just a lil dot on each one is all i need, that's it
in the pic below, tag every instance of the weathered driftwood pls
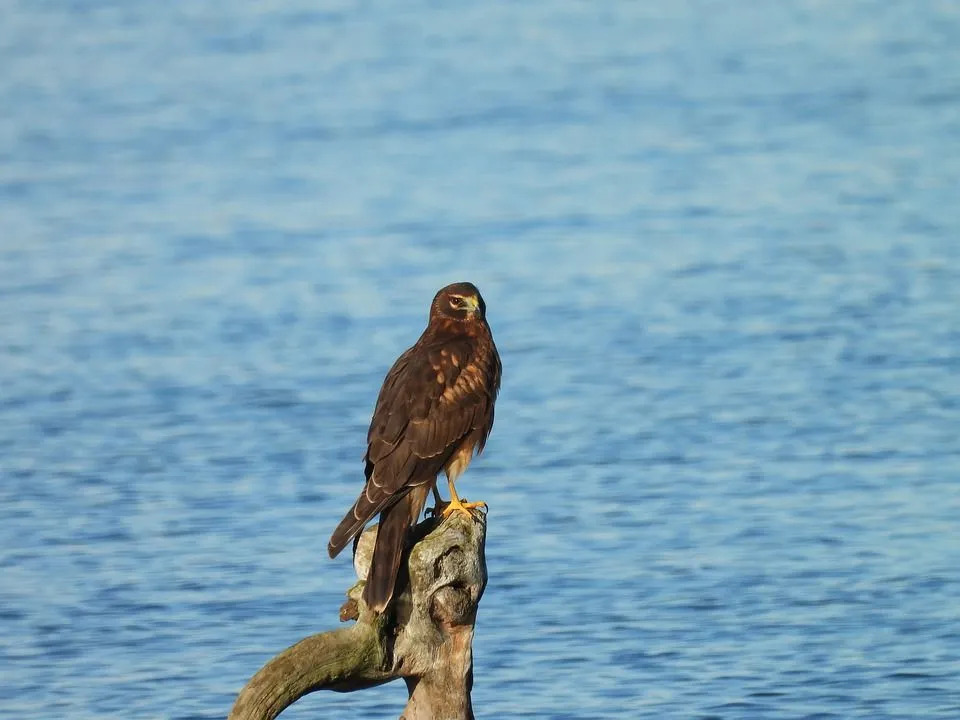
(425, 637)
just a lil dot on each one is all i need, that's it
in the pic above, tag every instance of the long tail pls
(392, 534)
(391, 539)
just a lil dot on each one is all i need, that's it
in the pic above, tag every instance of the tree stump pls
(425, 636)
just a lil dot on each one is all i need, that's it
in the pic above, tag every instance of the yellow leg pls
(457, 505)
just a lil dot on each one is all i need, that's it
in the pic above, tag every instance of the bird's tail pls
(392, 536)
(391, 539)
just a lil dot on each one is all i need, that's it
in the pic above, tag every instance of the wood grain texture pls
(426, 638)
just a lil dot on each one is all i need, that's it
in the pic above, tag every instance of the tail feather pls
(392, 536)
(391, 540)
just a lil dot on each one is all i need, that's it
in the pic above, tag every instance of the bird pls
(434, 412)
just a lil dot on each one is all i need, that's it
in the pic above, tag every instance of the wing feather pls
(436, 394)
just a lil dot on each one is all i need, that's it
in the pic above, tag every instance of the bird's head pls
(460, 301)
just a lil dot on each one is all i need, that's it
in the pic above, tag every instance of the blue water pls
(720, 248)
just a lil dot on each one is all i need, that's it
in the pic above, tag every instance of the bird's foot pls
(458, 505)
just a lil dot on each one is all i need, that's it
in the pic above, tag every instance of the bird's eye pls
(456, 302)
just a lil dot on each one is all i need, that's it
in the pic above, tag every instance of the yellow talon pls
(458, 505)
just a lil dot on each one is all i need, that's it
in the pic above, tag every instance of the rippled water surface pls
(720, 248)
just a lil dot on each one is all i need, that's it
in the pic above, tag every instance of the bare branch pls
(425, 637)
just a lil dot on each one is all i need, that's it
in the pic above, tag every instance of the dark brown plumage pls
(434, 411)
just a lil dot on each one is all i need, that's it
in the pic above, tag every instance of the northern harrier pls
(434, 412)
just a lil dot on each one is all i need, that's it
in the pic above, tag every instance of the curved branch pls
(345, 659)
(425, 637)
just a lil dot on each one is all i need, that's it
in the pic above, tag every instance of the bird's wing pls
(434, 396)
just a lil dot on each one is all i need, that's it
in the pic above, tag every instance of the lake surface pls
(720, 248)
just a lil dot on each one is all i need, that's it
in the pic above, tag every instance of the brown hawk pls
(434, 412)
